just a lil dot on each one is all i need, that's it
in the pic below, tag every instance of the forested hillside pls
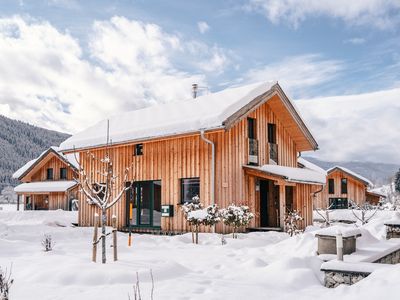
(21, 142)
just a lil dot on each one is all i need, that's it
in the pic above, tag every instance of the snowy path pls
(256, 266)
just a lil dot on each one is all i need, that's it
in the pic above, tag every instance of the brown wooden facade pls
(356, 190)
(169, 160)
(49, 200)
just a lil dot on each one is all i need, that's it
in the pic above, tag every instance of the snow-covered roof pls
(354, 174)
(300, 175)
(45, 186)
(69, 159)
(309, 165)
(208, 112)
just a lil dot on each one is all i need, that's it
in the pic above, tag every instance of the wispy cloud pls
(382, 14)
(355, 41)
(298, 73)
(203, 27)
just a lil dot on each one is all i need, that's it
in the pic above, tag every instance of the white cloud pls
(46, 80)
(382, 14)
(362, 127)
(297, 73)
(355, 41)
(203, 27)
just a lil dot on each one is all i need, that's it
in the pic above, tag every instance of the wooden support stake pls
(96, 226)
(114, 231)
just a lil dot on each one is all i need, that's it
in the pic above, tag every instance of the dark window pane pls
(251, 127)
(63, 173)
(331, 185)
(271, 133)
(190, 187)
(338, 203)
(49, 174)
(344, 185)
(138, 149)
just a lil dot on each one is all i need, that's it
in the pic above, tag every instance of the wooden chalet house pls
(344, 186)
(47, 181)
(240, 145)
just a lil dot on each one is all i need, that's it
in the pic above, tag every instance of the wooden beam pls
(282, 206)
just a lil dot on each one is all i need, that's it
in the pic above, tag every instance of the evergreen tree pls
(397, 181)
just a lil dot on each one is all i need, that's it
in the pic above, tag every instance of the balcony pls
(253, 152)
(272, 153)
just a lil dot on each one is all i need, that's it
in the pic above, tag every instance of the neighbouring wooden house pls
(343, 187)
(240, 145)
(48, 181)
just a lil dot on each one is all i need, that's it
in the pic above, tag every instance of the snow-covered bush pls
(292, 219)
(47, 243)
(236, 217)
(196, 216)
(5, 283)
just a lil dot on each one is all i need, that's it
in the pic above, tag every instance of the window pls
(331, 185)
(50, 174)
(63, 173)
(190, 187)
(99, 190)
(271, 133)
(344, 185)
(251, 127)
(338, 203)
(138, 150)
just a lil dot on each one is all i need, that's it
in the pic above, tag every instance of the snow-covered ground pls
(255, 266)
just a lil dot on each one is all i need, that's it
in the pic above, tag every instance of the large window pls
(49, 174)
(251, 127)
(63, 173)
(338, 203)
(331, 185)
(344, 185)
(190, 187)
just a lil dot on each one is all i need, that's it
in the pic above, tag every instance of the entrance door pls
(144, 205)
(269, 204)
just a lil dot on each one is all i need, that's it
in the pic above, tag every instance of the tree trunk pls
(197, 234)
(103, 235)
(115, 249)
(95, 233)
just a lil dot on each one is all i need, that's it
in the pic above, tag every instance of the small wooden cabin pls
(344, 186)
(47, 182)
(240, 145)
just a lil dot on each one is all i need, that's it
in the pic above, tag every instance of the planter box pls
(327, 244)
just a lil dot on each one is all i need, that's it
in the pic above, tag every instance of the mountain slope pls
(378, 173)
(21, 142)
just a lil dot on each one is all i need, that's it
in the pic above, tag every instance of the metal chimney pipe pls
(195, 87)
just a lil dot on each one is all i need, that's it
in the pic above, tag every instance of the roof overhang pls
(288, 115)
(285, 175)
(43, 159)
(45, 186)
(353, 175)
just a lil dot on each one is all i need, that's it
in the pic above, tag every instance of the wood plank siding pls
(174, 158)
(356, 189)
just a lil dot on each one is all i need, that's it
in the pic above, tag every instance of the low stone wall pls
(335, 278)
(392, 258)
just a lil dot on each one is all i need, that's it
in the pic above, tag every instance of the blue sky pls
(66, 64)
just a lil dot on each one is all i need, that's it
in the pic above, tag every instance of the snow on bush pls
(47, 243)
(196, 216)
(236, 217)
(292, 219)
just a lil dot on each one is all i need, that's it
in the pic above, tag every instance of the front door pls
(144, 205)
(269, 204)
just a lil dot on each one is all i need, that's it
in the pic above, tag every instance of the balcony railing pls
(253, 152)
(273, 153)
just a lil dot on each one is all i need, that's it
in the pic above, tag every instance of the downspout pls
(212, 169)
